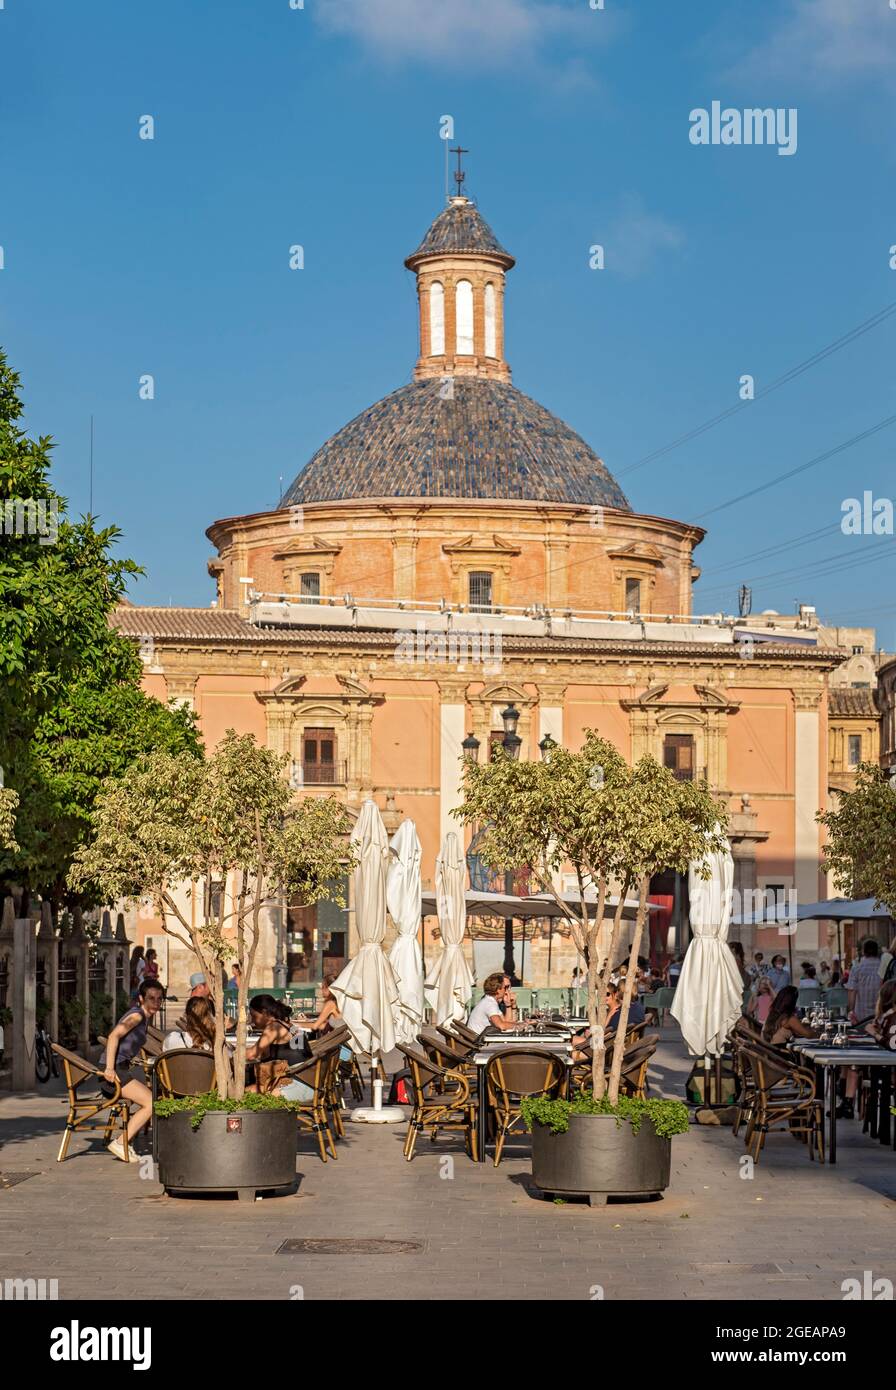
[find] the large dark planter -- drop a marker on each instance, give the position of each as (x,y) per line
(256,1155)
(599,1158)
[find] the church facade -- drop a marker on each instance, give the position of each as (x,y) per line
(456,549)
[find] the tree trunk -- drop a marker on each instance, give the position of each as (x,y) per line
(621,1026)
(599,1051)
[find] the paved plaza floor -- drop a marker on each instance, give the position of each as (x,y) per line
(104,1229)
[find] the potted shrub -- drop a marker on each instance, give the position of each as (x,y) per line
(598,1149)
(165,830)
(615,827)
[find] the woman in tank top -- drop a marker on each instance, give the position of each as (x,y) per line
(124,1044)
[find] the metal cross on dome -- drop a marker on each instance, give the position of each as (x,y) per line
(460,176)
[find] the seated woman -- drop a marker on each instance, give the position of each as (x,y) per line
(614,1004)
(328,1018)
(783,1022)
(761,999)
(196,1029)
(275,1051)
(123,1046)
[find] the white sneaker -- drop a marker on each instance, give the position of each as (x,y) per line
(117,1148)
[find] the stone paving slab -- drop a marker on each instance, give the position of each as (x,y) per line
(793,1231)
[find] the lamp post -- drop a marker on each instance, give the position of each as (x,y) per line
(510,716)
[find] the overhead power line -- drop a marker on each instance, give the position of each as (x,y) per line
(862,328)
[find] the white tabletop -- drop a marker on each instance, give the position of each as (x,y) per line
(560,1046)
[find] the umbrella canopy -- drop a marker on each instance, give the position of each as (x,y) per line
(450,983)
(403,901)
(479,904)
(709,996)
(366,991)
(831,910)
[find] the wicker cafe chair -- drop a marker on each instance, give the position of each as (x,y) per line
(463,1032)
(452,1108)
(512,1075)
(83,1111)
(635,1060)
(328,1047)
(438,1050)
(314,1114)
(348,1072)
(184,1071)
(784,1094)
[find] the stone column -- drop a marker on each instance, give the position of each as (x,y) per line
(24,999)
(80,949)
(48,950)
(550,711)
(452,719)
(806,804)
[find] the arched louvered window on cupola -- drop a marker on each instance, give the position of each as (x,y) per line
(491,335)
(464,317)
(436,319)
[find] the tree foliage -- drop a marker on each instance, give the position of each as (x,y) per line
(173,819)
(861,843)
(613,826)
(71,710)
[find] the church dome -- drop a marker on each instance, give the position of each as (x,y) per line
(460,429)
(484,440)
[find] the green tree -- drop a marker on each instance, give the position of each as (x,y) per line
(613,826)
(9,801)
(172,819)
(99,724)
(861,833)
(71,710)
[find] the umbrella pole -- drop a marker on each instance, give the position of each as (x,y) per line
(523,958)
(550,944)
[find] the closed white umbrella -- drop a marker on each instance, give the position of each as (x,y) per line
(709,996)
(449,983)
(366,991)
(403,894)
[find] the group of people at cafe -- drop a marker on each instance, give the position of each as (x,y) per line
(277,1042)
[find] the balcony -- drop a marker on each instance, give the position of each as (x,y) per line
(317,774)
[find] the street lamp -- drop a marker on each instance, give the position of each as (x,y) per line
(510,717)
(470,748)
(547,746)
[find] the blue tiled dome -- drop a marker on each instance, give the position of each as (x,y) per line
(489,441)
(460,228)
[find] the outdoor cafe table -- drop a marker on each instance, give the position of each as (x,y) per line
(826,1059)
(557,1043)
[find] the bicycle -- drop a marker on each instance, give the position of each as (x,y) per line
(45,1064)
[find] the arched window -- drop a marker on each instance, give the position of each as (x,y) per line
(491,338)
(436,319)
(464,315)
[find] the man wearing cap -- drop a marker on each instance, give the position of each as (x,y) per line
(199,986)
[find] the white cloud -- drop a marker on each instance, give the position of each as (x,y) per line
(465,33)
(835,40)
(636,239)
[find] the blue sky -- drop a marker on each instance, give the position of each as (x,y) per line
(320,126)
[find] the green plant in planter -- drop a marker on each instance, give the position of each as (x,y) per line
(199,1106)
(669,1116)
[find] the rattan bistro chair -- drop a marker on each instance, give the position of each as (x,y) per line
(463,1032)
(783,1094)
(635,1061)
(439,1051)
(451,1108)
(314,1114)
(184,1071)
(513,1075)
(84,1111)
